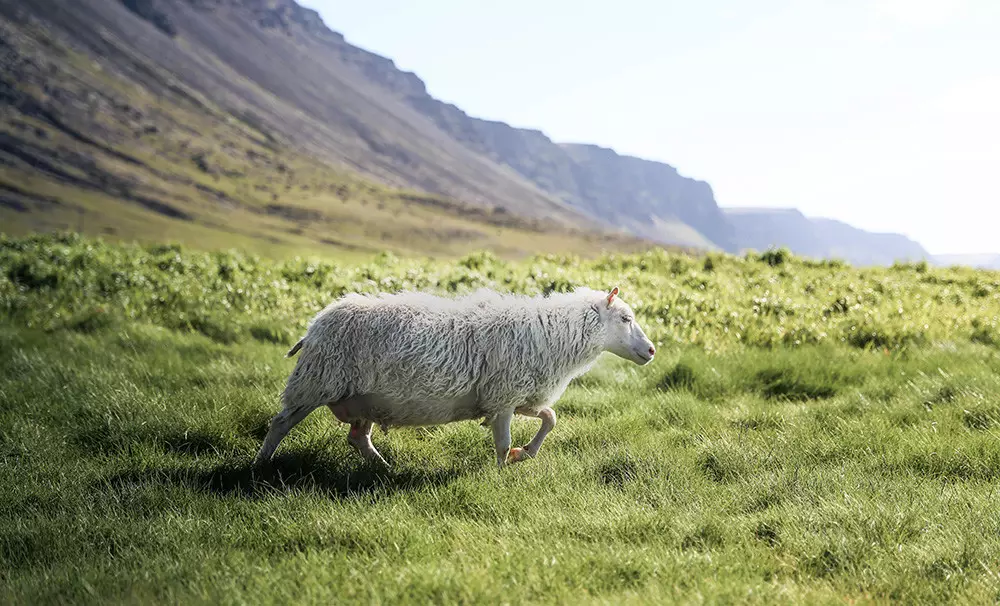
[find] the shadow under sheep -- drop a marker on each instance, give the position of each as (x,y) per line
(310,471)
(318,469)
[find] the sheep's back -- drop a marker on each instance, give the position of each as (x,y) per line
(401,351)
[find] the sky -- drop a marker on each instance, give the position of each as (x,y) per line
(881,113)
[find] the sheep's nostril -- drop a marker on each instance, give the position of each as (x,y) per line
(652,351)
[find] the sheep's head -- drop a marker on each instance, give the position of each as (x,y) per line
(623,335)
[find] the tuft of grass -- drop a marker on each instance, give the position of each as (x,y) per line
(780,384)
(704,538)
(90,320)
(271,332)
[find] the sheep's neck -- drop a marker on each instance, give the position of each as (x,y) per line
(568,348)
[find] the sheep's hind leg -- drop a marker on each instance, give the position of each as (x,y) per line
(360,437)
(281,424)
(530,450)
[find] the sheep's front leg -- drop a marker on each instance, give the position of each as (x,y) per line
(501,435)
(360,437)
(548,417)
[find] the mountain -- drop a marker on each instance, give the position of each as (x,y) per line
(762,228)
(986,261)
(650,199)
(251,121)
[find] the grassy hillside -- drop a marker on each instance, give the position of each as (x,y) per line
(275,67)
(809,433)
(90,146)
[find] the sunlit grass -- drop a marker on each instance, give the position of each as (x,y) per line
(755,460)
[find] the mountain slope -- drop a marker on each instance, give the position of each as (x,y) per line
(284,71)
(762,228)
(112,126)
(648,198)
(275,69)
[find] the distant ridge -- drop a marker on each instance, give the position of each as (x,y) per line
(762,228)
(982,261)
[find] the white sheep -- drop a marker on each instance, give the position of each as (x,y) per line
(416,359)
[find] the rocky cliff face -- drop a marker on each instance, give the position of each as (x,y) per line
(647,198)
(650,199)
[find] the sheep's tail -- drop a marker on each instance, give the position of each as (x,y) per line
(295,348)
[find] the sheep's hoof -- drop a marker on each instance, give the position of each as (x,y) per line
(517,454)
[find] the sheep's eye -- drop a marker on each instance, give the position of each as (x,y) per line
(626,319)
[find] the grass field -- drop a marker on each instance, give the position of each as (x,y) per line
(809,433)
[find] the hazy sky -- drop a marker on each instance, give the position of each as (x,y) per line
(884,114)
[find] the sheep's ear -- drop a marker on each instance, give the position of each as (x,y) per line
(612,295)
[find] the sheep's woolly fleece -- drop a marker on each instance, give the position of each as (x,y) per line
(416,350)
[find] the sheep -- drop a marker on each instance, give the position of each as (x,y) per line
(411,359)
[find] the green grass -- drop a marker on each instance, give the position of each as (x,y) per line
(768,455)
